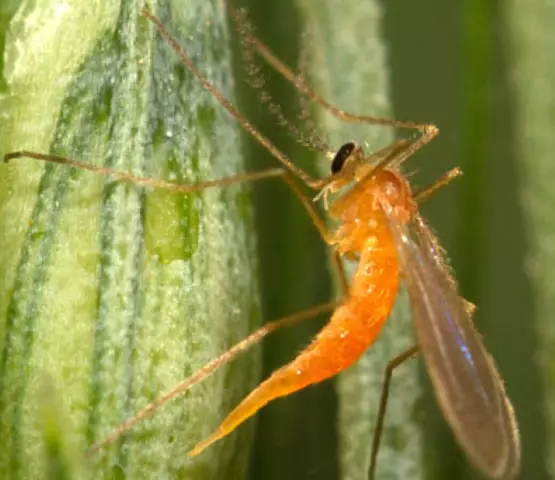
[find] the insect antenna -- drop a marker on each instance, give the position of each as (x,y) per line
(428,131)
(255,79)
(305,115)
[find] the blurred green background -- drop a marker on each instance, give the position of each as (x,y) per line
(483,72)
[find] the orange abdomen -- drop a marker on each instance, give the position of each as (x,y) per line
(353,327)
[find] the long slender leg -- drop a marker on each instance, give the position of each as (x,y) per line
(310,208)
(146,181)
(307,204)
(205,371)
(152,182)
(392,365)
(340,272)
(249,128)
(445,179)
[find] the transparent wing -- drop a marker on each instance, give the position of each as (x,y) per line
(468,387)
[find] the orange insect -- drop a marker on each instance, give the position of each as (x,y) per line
(379,224)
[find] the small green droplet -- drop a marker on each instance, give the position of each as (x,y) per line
(171,225)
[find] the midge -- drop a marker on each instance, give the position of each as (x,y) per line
(377,222)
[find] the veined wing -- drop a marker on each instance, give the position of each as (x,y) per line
(468,387)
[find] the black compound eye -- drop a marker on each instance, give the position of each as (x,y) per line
(342,154)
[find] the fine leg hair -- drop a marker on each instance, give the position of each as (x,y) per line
(210,367)
(391,366)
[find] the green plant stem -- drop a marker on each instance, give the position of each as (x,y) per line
(111,293)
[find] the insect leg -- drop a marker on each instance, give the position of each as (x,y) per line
(306,202)
(310,208)
(146,181)
(218,95)
(205,371)
(392,365)
(445,179)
